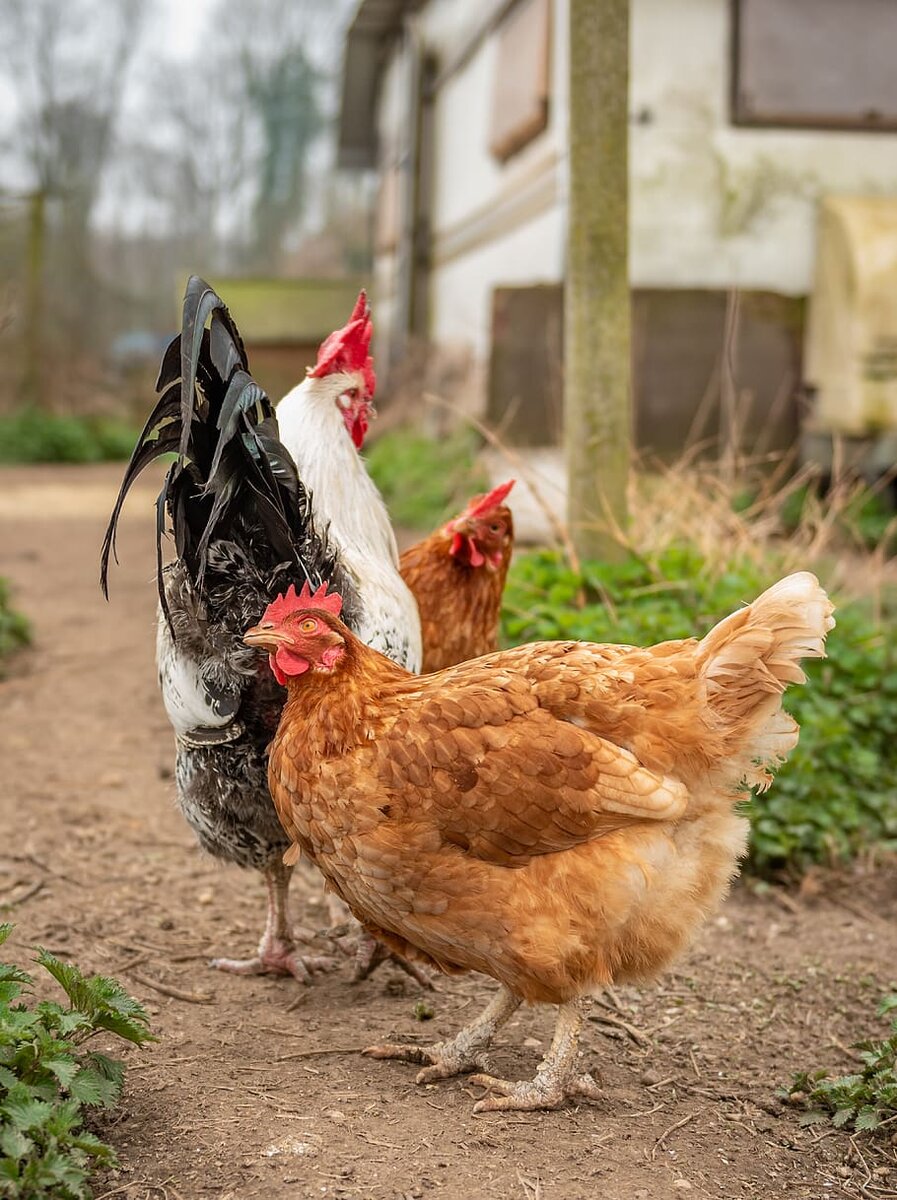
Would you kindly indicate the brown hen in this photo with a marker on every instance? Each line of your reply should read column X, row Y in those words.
column 560, row 816
column 457, row 576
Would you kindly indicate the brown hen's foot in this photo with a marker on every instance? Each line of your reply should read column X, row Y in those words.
column 464, row 1052
column 370, row 954
column 444, row 1059
column 541, row 1092
column 556, row 1079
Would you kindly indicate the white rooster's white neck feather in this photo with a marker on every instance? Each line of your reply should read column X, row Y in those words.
column 347, row 502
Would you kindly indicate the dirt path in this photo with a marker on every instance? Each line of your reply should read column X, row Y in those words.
column 259, row 1092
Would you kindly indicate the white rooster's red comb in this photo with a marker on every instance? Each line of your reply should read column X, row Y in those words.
column 348, row 349
column 281, row 608
column 480, row 505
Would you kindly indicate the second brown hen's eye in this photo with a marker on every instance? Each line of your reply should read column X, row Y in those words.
column 495, row 527
column 309, row 625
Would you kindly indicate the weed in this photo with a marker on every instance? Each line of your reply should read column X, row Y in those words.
column 48, row 1077
column 14, row 629
column 424, row 481
column 32, row 436
column 859, row 1101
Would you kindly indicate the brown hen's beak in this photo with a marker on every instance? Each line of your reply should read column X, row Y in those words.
column 466, row 526
column 267, row 636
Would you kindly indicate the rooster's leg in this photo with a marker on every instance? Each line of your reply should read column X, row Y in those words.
column 369, row 954
column 464, row 1052
column 556, row 1079
column 277, row 953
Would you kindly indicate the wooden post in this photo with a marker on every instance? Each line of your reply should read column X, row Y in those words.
column 597, row 408
column 32, row 385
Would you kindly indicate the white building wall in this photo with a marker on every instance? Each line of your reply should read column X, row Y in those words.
column 712, row 206
column 717, row 206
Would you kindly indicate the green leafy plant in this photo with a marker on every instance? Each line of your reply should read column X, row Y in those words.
column 48, row 1077
column 33, row 436
column 424, row 481
column 14, row 629
column 859, row 1101
column 838, row 790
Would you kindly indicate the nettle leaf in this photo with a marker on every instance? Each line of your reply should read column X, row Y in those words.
column 18, row 1022
column 7, row 1078
column 65, row 1069
column 9, row 1170
column 92, row 1087
column 9, row 990
column 6, row 928
column 14, row 1143
column 842, row 1116
column 65, row 1116
column 90, row 1144
column 867, row 1118
column 25, row 1114
column 103, row 1000
column 9, row 971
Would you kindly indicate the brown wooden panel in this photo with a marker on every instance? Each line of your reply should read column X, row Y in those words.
column 678, row 349
column 824, row 63
column 522, row 76
column 526, row 366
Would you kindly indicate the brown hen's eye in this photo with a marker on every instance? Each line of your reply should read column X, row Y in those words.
column 309, row 625
column 495, row 527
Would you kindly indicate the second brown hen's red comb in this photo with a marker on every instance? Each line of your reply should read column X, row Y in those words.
column 480, row 505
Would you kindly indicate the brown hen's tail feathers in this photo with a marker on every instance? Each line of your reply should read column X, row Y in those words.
column 749, row 659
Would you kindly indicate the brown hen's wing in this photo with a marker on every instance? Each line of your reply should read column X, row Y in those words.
column 503, row 778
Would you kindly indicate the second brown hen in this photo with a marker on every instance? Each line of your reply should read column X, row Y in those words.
column 457, row 576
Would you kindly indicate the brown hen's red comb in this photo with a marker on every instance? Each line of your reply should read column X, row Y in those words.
column 348, row 349
column 278, row 610
column 480, row 505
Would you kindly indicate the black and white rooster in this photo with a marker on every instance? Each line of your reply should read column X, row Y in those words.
column 246, row 526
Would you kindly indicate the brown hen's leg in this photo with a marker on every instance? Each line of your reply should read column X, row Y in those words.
column 277, row 950
column 556, row 1079
column 369, row 954
column 465, row 1050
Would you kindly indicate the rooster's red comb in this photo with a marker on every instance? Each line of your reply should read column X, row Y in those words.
column 348, row 349
column 480, row 505
column 278, row 610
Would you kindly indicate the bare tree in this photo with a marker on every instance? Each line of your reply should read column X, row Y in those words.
column 67, row 71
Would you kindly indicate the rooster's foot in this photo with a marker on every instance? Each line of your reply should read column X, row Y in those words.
column 443, row 1059
column 370, row 954
column 547, row 1090
column 277, row 958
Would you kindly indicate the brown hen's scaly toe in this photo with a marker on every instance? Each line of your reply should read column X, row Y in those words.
column 371, row 953
column 543, row 1092
column 443, row 1060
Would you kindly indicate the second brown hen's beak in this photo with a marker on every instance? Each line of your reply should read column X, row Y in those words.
column 266, row 635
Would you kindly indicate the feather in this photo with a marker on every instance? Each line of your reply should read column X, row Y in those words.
column 233, row 481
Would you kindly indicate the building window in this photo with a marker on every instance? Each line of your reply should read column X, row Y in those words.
column 522, row 77
column 824, row 64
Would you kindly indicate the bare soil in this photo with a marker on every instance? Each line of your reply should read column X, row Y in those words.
column 256, row 1087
